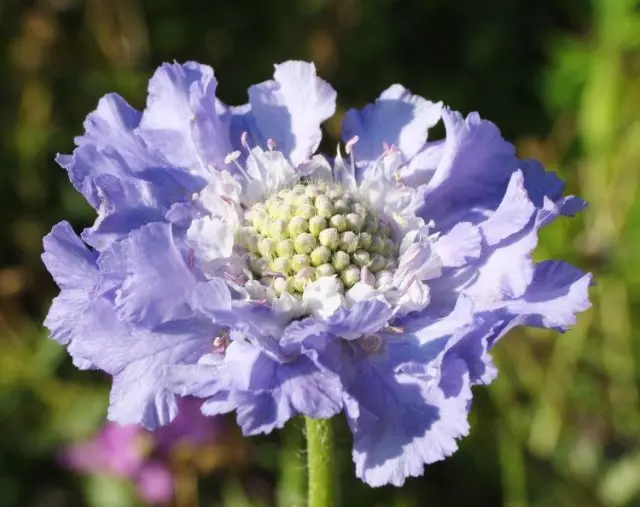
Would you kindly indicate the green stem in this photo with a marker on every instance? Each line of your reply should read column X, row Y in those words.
column 320, row 459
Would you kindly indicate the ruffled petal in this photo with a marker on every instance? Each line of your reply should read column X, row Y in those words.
column 74, row 269
column 269, row 393
column 397, row 118
column 401, row 423
column 156, row 283
column 137, row 359
column 290, row 108
column 473, row 173
column 512, row 215
column 181, row 121
column 558, row 291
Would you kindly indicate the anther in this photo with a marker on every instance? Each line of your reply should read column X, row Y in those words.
column 349, row 144
column 232, row 157
column 244, row 140
column 271, row 144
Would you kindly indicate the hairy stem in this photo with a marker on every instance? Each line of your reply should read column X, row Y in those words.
column 320, row 459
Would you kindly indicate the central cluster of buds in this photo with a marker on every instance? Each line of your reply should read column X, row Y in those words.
column 317, row 229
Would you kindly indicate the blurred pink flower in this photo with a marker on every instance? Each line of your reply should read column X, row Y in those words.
column 133, row 453
column 154, row 483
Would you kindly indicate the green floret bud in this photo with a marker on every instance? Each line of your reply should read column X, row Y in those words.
column 325, row 270
column 389, row 248
column 278, row 229
column 378, row 263
column 371, row 223
column 289, row 198
column 338, row 222
column 299, row 262
column 283, row 212
column 329, row 238
column 258, row 265
column 298, row 189
column 305, row 211
column 341, row 206
column 350, row 276
column 317, row 225
column 320, row 255
column 291, row 285
column 377, row 245
column 340, row 260
column 385, row 230
column 280, row 265
column 273, row 204
column 335, row 192
column 349, row 241
column 359, row 209
column 354, row 222
column 279, row 285
column 302, row 200
column 364, row 240
column 304, row 278
column 312, row 191
column 297, row 225
column 324, row 206
column 267, row 248
column 305, row 243
column 361, row 258
column 284, row 248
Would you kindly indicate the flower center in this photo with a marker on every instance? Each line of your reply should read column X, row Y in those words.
column 317, row 229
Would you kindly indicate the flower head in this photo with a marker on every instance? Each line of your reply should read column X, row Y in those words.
column 230, row 263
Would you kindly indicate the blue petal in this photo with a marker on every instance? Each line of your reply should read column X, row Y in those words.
column 74, row 269
column 181, row 120
column 558, row 291
column 156, row 284
column 473, row 173
column 397, row 118
column 268, row 393
column 114, row 171
column 290, row 109
column 137, row 359
column 512, row 215
column 401, row 423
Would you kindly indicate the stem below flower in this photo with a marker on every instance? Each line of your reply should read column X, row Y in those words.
column 320, row 459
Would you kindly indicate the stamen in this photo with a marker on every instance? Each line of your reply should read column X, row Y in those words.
column 271, row 144
column 244, row 140
column 195, row 196
column 388, row 148
column 232, row 158
column 350, row 143
column 273, row 274
column 394, row 329
column 221, row 342
column 234, row 278
column 227, row 199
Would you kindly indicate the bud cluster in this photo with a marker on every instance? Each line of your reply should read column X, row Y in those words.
column 312, row 230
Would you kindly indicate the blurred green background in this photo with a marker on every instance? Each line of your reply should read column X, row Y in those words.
column 560, row 427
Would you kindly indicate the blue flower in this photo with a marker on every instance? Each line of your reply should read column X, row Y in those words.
column 230, row 263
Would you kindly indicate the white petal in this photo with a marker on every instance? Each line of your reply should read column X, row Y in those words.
column 323, row 297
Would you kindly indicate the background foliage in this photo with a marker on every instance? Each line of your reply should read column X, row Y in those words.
column 561, row 425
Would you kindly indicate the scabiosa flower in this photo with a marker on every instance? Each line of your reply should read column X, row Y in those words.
column 230, row 263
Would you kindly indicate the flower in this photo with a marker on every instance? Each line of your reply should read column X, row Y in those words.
column 133, row 453
column 230, row 263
